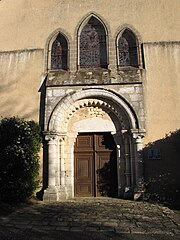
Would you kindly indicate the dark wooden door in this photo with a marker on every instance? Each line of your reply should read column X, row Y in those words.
column 95, row 165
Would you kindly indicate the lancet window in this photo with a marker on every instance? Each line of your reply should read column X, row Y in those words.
column 128, row 49
column 59, row 52
column 93, row 49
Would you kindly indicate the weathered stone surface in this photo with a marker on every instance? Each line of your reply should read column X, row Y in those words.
column 105, row 216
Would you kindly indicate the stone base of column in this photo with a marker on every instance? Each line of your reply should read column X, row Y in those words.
column 62, row 192
column 51, row 194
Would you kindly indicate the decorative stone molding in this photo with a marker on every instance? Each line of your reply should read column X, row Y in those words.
column 85, row 97
column 101, row 103
column 99, row 76
column 96, row 108
column 53, row 135
column 138, row 134
column 85, row 19
column 121, row 29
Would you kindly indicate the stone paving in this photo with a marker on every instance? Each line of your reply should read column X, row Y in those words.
column 91, row 218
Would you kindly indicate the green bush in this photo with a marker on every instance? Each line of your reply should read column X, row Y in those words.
column 163, row 189
column 20, row 143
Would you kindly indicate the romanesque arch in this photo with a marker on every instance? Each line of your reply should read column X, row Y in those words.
column 67, row 105
column 73, row 114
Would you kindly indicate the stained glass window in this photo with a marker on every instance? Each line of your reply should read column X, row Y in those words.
column 59, row 53
column 127, row 45
column 123, row 51
column 93, row 51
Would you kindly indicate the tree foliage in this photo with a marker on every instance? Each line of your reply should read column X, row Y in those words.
column 20, row 143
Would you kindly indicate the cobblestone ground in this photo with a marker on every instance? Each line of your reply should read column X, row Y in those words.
column 91, row 218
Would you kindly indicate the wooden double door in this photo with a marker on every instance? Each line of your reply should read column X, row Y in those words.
column 95, row 165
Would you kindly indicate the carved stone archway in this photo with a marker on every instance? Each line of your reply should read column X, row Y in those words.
column 111, row 113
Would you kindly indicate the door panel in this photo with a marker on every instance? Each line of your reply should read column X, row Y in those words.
column 95, row 164
column 84, row 143
column 84, row 190
column 84, row 174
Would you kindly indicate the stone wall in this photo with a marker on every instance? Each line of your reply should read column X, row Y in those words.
column 27, row 85
column 28, row 26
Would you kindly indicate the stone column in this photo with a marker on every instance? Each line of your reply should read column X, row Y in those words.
column 128, row 189
column 51, row 193
column 120, row 164
column 138, row 135
column 118, row 150
column 62, row 173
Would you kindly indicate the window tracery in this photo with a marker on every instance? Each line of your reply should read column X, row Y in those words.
column 128, row 49
column 59, row 53
column 93, row 51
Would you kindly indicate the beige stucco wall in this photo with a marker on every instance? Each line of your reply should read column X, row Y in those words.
column 26, row 25
column 20, row 81
column 161, row 89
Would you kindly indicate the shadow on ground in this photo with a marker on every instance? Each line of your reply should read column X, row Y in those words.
column 87, row 220
column 64, row 235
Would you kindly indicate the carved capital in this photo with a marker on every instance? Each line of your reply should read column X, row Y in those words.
column 138, row 134
column 50, row 136
column 54, row 136
column 62, row 138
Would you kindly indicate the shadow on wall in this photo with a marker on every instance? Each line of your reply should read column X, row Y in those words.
column 42, row 91
column 107, row 171
column 162, row 170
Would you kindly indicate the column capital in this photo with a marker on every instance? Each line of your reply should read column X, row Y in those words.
column 53, row 136
column 62, row 138
column 138, row 134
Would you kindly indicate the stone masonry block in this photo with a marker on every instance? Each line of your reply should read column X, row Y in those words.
column 127, row 90
column 58, row 92
column 136, row 105
column 141, row 112
column 49, row 93
column 138, row 89
column 136, row 97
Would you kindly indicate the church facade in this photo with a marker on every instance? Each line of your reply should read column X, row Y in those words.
column 103, row 80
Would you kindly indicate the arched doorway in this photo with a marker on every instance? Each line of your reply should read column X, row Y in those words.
column 95, row 114
column 95, row 166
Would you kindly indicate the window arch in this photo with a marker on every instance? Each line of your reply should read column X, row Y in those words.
column 128, row 49
column 59, row 53
column 92, row 45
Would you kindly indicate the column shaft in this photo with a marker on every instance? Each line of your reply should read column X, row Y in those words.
column 52, row 162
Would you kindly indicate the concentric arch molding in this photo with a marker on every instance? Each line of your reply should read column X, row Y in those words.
column 103, row 98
